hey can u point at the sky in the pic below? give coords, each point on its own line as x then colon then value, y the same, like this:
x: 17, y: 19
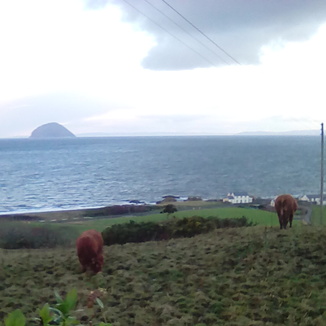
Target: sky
x: 162, y: 67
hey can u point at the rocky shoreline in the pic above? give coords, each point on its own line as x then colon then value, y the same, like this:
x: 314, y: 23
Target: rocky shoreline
x: 65, y: 215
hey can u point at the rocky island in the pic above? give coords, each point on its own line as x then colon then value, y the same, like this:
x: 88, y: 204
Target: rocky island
x: 52, y: 130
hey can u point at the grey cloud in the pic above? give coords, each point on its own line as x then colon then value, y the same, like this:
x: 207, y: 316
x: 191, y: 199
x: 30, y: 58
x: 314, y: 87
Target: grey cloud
x: 240, y: 27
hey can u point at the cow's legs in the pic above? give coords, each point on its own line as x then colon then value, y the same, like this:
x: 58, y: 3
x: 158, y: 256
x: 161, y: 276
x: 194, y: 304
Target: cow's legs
x: 285, y: 222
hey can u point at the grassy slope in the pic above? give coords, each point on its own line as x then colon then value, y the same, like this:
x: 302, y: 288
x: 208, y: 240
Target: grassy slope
x: 246, y: 276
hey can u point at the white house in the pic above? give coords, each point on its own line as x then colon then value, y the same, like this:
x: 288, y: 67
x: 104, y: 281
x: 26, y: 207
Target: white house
x: 238, y: 198
x: 313, y: 199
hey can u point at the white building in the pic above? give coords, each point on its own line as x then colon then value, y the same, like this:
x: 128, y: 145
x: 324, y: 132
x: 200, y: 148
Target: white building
x: 238, y: 198
x: 313, y: 199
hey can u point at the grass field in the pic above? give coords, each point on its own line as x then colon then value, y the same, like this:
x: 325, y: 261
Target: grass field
x: 259, y: 217
x: 71, y: 229
x: 316, y: 217
x: 244, y: 276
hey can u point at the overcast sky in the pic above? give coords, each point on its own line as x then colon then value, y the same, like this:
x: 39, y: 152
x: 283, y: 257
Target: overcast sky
x: 156, y: 67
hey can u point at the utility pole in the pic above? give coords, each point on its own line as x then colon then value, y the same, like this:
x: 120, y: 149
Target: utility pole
x: 322, y: 174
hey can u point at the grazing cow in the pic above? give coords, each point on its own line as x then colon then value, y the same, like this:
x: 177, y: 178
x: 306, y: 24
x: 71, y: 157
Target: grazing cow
x: 90, y: 250
x: 285, y: 206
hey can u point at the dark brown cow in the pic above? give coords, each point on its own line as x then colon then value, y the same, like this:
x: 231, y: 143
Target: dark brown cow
x: 285, y: 206
x: 90, y: 251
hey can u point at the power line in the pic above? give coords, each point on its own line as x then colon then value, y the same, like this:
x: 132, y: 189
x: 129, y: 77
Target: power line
x: 164, y: 29
x: 201, y: 32
x: 183, y: 29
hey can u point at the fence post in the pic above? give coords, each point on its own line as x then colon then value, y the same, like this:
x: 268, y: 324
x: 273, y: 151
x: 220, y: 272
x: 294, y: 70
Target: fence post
x: 322, y: 175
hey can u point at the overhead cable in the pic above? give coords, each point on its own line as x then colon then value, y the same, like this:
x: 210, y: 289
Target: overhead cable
x: 201, y: 32
x: 177, y: 38
x: 187, y: 32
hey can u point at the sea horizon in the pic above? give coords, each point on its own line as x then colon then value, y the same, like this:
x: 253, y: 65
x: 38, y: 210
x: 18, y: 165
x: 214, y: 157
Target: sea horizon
x: 308, y: 132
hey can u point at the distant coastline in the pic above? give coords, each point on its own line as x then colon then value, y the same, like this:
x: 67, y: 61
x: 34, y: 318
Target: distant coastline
x: 244, y: 133
x: 278, y: 133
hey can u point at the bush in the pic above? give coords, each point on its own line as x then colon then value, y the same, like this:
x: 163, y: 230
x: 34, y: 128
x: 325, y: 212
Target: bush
x: 16, y: 235
x: 170, y: 209
x: 173, y: 228
x: 132, y: 232
x: 231, y: 222
x: 188, y: 227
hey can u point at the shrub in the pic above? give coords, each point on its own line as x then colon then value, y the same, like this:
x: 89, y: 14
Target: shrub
x: 231, y: 222
x: 188, y: 227
x: 16, y: 235
x: 173, y: 228
x: 132, y: 232
x: 170, y: 209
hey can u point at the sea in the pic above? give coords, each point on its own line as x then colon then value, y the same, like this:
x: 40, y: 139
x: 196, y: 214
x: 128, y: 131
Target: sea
x: 61, y: 174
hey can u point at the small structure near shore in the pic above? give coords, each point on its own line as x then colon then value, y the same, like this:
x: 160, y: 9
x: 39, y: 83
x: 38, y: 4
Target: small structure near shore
x: 238, y: 198
x: 315, y: 199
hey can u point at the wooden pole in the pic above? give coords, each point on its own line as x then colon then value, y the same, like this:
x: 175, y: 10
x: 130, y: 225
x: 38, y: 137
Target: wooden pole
x: 322, y: 174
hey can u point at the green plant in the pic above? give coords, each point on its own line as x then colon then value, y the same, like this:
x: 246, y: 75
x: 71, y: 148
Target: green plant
x: 64, y: 306
x: 45, y: 315
x: 15, y: 318
x: 67, y: 304
x: 59, y: 315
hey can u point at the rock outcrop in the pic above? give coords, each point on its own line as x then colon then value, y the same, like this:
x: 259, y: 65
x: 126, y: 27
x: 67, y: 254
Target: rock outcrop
x: 52, y: 130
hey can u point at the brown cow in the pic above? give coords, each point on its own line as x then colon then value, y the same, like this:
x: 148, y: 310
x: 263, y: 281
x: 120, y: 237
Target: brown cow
x: 285, y: 206
x: 90, y: 251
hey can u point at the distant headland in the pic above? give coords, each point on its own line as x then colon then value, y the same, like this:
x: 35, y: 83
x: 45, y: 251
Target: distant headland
x: 314, y: 132
x: 52, y: 130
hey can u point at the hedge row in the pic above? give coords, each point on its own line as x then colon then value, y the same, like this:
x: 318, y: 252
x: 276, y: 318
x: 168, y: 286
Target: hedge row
x: 173, y: 228
x: 15, y: 235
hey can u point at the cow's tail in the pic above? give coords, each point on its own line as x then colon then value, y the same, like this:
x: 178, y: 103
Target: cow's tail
x: 281, y: 211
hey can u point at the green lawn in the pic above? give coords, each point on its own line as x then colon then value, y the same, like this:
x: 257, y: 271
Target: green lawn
x: 316, y: 218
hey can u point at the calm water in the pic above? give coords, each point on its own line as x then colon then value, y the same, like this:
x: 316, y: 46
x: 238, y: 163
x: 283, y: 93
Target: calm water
x: 93, y: 172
